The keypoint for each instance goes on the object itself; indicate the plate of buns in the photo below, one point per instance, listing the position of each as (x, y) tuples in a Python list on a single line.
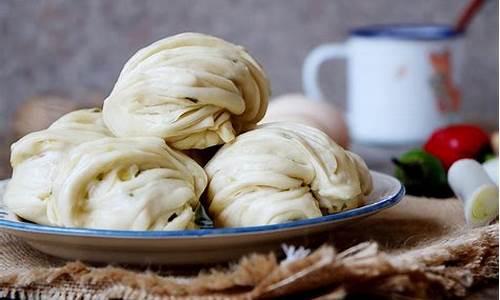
[(175, 169)]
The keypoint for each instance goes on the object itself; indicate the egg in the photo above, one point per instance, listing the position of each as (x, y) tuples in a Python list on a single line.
[(321, 115), (494, 142)]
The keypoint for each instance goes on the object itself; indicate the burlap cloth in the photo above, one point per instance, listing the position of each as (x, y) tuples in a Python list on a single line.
[(418, 249)]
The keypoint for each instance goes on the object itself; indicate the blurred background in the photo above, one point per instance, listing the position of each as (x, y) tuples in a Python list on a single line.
[(74, 50)]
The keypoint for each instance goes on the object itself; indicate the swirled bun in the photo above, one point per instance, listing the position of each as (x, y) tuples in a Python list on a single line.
[(36, 159), (191, 89), (280, 172), (127, 184)]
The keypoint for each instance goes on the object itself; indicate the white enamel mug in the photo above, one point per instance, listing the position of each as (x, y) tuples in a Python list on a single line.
[(403, 81)]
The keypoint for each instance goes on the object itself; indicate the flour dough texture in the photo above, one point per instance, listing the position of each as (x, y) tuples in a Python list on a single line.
[(191, 89), (37, 157), (127, 184), (280, 172)]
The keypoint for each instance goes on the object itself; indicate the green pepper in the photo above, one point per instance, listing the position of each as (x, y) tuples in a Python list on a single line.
[(422, 174)]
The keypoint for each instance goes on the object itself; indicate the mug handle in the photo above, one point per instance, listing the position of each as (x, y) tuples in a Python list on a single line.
[(313, 62)]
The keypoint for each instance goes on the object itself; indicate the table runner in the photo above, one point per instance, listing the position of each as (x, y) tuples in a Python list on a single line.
[(418, 248)]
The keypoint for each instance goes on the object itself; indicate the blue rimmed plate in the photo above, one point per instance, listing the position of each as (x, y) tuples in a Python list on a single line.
[(203, 246)]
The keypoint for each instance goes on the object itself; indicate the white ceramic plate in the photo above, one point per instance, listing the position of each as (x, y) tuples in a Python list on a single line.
[(203, 246)]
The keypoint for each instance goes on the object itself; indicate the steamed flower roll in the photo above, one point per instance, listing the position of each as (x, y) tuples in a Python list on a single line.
[(280, 172), (36, 159), (127, 184), (191, 89)]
